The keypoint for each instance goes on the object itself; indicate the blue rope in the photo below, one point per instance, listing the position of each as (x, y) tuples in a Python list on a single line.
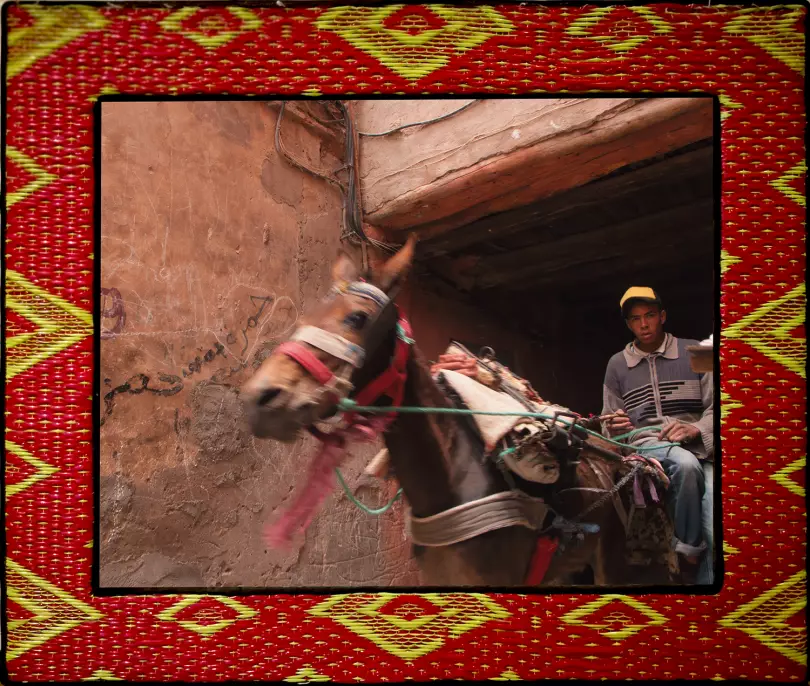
[(348, 405)]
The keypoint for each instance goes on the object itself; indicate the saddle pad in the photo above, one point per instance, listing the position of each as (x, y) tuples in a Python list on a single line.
[(478, 397)]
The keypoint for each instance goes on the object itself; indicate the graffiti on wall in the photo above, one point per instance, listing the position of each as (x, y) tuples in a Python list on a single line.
[(166, 385), (115, 311)]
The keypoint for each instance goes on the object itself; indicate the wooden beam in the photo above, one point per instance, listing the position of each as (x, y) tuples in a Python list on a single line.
[(637, 130), (635, 240), (662, 174), (627, 271)]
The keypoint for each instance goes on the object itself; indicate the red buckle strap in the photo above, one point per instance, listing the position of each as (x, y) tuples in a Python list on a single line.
[(541, 559), (392, 381), (307, 360)]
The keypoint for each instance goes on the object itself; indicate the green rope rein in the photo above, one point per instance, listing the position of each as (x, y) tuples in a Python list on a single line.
[(351, 406), (364, 508), (348, 405)]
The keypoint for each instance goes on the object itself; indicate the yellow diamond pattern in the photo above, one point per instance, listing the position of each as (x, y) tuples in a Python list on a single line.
[(765, 618), (102, 675), (783, 476), (40, 180), (456, 613), (43, 470), (414, 56), (242, 611), (584, 27), (727, 105), (61, 324), (508, 675), (54, 27), (768, 330), (106, 89), (306, 675), (726, 406), (727, 260), (249, 22), (782, 184), (55, 611), (579, 615), (773, 30)]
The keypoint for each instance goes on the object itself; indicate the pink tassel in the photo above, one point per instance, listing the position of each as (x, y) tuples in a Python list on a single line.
[(653, 491), (320, 480), (319, 483), (637, 493)]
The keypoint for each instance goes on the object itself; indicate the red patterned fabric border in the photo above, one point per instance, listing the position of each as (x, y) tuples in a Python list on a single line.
[(62, 57)]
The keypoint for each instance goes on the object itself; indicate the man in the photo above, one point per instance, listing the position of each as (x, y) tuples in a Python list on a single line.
[(650, 385)]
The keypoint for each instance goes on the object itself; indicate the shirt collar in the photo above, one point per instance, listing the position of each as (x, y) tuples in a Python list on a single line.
[(668, 349)]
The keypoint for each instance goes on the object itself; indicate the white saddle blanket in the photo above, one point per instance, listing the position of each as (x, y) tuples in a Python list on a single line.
[(479, 398)]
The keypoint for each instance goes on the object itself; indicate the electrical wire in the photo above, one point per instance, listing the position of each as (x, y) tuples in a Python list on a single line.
[(352, 212), (419, 123), (281, 151)]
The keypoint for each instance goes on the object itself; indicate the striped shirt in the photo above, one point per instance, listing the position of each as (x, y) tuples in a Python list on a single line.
[(659, 387)]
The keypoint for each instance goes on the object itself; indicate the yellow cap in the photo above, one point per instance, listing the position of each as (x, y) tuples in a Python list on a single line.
[(639, 293)]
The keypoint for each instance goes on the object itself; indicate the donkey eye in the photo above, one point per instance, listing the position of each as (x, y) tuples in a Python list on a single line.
[(356, 320)]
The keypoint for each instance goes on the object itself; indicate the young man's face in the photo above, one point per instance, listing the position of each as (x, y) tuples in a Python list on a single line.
[(646, 322)]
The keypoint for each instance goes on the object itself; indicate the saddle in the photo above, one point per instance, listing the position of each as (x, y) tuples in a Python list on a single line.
[(536, 450), (530, 447)]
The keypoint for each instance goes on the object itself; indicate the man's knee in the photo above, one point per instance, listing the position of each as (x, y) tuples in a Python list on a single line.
[(684, 469), (679, 459)]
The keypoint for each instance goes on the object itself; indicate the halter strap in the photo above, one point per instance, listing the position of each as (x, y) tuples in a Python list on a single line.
[(306, 358), (391, 382), (368, 291), (331, 343)]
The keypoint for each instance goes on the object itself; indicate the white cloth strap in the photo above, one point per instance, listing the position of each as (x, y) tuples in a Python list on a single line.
[(368, 291), (331, 343)]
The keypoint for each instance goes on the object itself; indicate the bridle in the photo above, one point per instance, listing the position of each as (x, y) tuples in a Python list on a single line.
[(390, 383)]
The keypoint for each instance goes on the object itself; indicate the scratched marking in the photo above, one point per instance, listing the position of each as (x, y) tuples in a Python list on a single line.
[(257, 321), (116, 311), (253, 320), (137, 384)]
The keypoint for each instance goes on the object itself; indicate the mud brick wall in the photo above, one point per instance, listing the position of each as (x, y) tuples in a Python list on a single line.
[(211, 249)]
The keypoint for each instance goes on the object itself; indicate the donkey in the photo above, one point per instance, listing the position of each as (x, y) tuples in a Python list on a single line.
[(356, 344)]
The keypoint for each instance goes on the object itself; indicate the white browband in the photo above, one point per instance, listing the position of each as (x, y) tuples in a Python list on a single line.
[(366, 290), (335, 345)]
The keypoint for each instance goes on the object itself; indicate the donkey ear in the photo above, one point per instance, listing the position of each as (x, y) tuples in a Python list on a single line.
[(344, 268), (395, 270)]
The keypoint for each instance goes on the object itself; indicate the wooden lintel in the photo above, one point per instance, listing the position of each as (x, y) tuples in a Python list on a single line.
[(659, 176), (643, 129)]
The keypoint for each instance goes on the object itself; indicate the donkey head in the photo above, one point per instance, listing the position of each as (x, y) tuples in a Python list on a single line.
[(341, 345)]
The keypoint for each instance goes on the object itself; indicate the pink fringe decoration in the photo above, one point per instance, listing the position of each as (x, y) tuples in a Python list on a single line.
[(320, 479)]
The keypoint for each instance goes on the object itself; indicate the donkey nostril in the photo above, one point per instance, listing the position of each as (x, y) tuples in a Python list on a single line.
[(268, 396)]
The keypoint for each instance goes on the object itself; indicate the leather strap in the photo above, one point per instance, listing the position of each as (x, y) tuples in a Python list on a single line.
[(307, 360), (466, 521), (331, 343)]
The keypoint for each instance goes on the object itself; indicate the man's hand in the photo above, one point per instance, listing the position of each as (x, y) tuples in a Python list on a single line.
[(458, 363), (619, 423), (679, 432)]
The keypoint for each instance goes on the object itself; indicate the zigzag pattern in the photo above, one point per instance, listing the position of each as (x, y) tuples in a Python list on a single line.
[(60, 60)]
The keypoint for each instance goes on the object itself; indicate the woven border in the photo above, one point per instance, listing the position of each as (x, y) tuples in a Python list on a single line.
[(62, 57)]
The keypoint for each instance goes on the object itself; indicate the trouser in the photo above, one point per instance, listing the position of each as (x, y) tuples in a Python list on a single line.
[(685, 497)]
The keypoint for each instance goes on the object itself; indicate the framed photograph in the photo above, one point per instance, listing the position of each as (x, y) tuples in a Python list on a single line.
[(342, 340)]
